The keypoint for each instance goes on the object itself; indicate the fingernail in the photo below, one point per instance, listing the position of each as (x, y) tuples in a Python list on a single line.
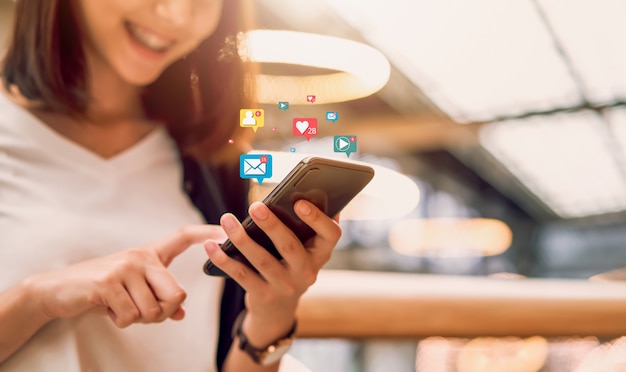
[(305, 209), (210, 246), (228, 223), (259, 211)]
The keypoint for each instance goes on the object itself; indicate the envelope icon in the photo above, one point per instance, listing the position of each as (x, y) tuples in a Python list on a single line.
[(254, 167), (257, 166)]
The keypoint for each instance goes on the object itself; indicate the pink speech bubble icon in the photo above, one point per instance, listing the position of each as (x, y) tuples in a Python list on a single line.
[(305, 127)]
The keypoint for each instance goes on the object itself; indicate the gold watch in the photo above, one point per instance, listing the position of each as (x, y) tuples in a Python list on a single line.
[(268, 355)]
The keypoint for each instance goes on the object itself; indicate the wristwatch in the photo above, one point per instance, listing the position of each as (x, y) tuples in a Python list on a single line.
[(269, 354)]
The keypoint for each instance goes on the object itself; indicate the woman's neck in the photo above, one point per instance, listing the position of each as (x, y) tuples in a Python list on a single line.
[(112, 100)]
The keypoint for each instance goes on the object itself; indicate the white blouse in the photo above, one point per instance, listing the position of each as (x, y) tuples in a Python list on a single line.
[(61, 204)]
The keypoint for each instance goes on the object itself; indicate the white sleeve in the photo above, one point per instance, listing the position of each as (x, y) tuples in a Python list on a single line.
[(290, 364)]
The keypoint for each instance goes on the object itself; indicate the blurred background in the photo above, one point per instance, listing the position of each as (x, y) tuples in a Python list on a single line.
[(509, 119)]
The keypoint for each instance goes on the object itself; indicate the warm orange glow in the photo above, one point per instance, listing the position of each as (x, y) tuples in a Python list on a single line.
[(514, 354), (490, 354), (443, 237)]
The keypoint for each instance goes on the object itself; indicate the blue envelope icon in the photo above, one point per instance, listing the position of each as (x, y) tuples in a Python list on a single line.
[(257, 166)]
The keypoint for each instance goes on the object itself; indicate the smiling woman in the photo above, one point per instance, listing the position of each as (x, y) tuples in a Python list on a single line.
[(140, 41), (119, 138), (102, 46)]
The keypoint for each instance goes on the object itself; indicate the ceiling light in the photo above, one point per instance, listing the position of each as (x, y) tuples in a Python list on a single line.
[(476, 60), (595, 49), (564, 159), (610, 356), (362, 70), (617, 120), (503, 354), (450, 237)]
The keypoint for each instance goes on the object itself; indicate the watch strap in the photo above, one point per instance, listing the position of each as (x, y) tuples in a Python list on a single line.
[(257, 354)]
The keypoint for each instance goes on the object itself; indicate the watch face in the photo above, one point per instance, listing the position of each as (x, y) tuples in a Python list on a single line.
[(271, 357)]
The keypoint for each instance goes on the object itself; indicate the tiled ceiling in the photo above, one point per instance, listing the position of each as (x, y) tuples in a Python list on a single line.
[(547, 78)]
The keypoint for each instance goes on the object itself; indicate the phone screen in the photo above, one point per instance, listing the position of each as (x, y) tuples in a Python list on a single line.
[(329, 184)]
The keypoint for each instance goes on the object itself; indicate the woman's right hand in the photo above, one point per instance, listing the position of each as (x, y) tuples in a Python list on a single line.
[(133, 286)]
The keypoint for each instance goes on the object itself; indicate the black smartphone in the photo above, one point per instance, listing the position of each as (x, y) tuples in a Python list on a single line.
[(327, 183)]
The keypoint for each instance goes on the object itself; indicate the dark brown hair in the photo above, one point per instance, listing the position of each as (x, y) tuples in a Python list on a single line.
[(45, 61)]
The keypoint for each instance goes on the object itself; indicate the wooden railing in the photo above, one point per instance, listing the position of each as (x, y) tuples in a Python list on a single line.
[(353, 304)]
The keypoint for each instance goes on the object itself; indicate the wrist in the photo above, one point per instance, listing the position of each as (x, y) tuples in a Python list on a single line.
[(31, 296), (271, 351), (262, 331)]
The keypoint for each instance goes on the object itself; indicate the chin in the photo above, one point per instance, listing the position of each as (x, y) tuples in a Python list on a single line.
[(141, 77)]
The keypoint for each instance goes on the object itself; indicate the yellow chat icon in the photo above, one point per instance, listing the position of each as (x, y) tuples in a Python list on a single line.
[(252, 118)]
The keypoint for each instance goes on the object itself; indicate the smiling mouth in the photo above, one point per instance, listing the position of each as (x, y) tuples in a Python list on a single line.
[(148, 39)]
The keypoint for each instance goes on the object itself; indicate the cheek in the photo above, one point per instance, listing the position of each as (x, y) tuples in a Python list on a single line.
[(206, 21), (104, 33), (200, 28)]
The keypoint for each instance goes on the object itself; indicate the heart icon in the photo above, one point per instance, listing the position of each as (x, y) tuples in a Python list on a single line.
[(301, 126)]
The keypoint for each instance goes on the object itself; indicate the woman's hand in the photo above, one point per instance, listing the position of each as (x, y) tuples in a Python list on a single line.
[(132, 286), (273, 293)]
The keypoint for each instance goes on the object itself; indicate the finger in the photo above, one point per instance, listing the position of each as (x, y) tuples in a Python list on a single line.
[(270, 268), (123, 311), (144, 298), (284, 239), (326, 229), (242, 274), (178, 314), (168, 292), (177, 243)]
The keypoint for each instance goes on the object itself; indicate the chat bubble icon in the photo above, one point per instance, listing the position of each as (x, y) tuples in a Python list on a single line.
[(252, 118), (283, 105), (311, 98), (256, 166), (345, 144), (305, 127), (332, 116)]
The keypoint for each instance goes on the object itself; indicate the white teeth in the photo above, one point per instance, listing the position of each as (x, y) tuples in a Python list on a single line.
[(149, 39)]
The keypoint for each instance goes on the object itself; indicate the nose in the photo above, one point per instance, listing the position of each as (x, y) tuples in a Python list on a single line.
[(177, 12)]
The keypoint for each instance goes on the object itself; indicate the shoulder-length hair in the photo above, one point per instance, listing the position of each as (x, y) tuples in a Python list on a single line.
[(198, 97)]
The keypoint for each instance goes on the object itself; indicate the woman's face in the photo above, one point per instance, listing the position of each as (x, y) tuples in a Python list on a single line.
[(138, 39)]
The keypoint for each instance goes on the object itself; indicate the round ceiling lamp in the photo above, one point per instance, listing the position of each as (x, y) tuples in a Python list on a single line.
[(361, 70)]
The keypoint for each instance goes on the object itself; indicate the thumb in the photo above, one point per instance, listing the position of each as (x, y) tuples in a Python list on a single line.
[(185, 237)]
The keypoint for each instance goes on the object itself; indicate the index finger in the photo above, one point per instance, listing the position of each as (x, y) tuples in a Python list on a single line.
[(185, 237)]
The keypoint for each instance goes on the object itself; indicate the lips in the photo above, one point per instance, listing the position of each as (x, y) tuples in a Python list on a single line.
[(148, 39)]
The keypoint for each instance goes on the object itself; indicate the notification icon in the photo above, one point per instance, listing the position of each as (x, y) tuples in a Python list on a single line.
[(256, 166), (252, 118), (310, 98), (332, 116), (283, 105), (345, 144), (305, 127)]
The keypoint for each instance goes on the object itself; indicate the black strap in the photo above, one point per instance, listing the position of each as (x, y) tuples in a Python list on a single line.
[(214, 191)]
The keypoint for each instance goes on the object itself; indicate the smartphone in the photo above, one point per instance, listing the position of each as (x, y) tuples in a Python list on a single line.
[(327, 183)]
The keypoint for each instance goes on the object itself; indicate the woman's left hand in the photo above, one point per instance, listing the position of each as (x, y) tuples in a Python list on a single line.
[(273, 293)]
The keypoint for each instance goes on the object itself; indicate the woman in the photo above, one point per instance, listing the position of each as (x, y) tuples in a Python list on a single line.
[(105, 106)]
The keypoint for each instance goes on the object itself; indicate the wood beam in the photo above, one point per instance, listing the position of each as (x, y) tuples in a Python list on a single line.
[(356, 304)]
